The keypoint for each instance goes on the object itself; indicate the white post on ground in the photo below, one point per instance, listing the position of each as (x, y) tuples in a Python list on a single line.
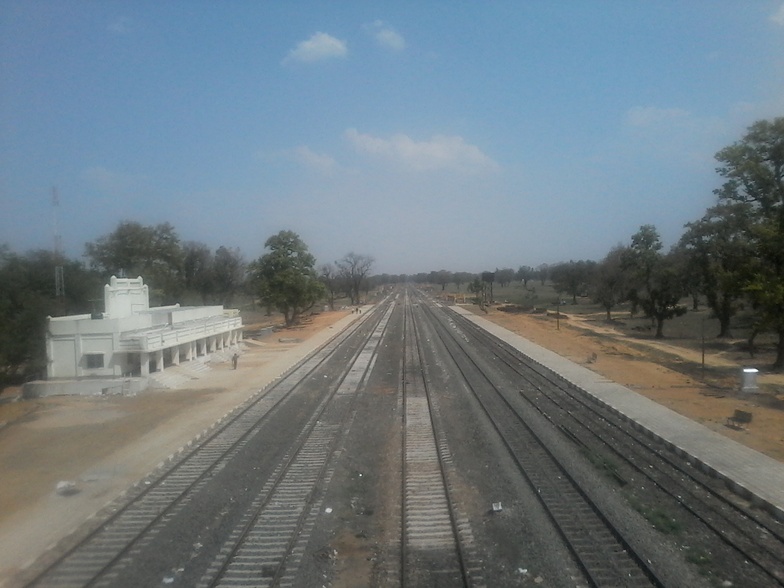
[(749, 380)]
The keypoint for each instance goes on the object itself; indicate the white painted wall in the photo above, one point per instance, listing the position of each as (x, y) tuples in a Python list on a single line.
[(129, 327)]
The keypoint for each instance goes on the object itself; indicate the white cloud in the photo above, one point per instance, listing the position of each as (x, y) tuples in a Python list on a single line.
[(319, 47), (648, 116), (386, 36), (108, 181), (391, 39), (440, 152), (120, 26), (778, 16), (317, 161)]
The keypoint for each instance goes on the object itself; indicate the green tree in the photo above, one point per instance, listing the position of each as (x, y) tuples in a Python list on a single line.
[(133, 249), (328, 274), (657, 285), (525, 273), (479, 288), (27, 296), (753, 169), (488, 278), (609, 282), (286, 278), (443, 277), (197, 265), (693, 284), (542, 273), (504, 276), (228, 273), (572, 277), (215, 277), (718, 255), (459, 278)]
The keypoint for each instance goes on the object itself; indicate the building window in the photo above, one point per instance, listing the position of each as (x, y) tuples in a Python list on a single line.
[(94, 360)]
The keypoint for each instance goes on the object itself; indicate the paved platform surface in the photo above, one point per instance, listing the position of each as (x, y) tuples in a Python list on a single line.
[(750, 473)]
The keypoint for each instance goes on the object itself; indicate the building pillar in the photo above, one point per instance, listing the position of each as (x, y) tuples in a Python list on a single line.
[(78, 355), (50, 365), (159, 360), (175, 355), (144, 363)]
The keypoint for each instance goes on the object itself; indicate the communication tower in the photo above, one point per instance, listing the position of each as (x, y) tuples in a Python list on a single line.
[(59, 280)]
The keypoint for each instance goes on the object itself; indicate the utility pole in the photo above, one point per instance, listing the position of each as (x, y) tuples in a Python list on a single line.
[(59, 280)]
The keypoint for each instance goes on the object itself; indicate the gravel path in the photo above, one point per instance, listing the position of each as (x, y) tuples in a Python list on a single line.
[(104, 445)]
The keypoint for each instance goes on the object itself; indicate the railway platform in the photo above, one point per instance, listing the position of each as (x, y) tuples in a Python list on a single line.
[(749, 473)]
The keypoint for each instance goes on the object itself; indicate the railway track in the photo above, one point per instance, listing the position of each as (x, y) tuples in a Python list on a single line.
[(601, 553), (437, 543), (269, 536), (267, 548), (613, 443), (255, 485)]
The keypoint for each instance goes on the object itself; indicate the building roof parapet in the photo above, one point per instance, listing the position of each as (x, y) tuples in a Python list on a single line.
[(125, 296), (167, 336)]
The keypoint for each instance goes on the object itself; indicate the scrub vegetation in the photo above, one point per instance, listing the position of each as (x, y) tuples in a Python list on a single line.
[(731, 259)]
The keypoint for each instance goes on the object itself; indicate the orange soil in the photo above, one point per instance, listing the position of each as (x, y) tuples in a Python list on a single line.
[(664, 372)]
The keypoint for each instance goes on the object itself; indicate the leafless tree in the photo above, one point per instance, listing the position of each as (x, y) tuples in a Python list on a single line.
[(354, 268), (328, 274)]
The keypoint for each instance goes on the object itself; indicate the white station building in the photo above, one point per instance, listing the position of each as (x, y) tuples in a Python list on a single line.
[(118, 350)]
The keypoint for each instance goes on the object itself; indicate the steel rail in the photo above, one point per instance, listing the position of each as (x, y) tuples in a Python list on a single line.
[(755, 539), (316, 444), (574, 515), (426, 490), (470, 562), (404, 462), (228, 436)]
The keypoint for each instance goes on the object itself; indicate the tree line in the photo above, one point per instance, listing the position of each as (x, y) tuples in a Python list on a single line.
[(284, 279), (732, 257)]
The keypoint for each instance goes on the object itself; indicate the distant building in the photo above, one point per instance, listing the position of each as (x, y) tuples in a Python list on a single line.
[(121, 347)]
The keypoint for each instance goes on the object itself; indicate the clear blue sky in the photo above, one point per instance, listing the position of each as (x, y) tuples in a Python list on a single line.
[(439, 134)]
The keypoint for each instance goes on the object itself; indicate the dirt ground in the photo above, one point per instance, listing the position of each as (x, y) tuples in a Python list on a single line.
[(104, 445), (666, 372)]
